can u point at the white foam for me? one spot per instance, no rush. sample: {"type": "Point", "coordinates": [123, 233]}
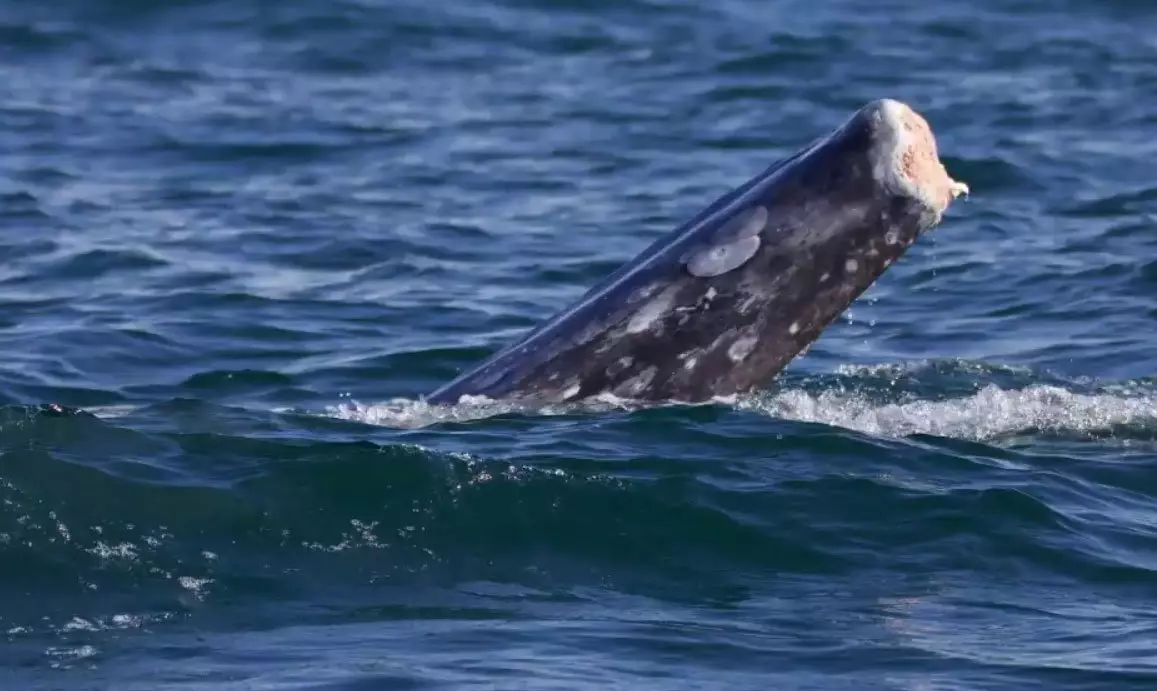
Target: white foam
{"type": "Point", "coordinates": [410, 414]}
{"type": "Point", "coordinates": [990, 413]}
{"type": "Point", "coordinates": [112, 411]}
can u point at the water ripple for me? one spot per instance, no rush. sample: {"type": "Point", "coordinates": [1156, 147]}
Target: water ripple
{"type": "Point", "coordinates": [243, 240]}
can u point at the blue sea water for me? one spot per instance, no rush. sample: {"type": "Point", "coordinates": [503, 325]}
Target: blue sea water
{"type": "Point", "coordinates": [248, 236]}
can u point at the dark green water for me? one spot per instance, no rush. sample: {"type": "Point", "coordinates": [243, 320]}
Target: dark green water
{"type": "Point", "coordinates": [247, 237]}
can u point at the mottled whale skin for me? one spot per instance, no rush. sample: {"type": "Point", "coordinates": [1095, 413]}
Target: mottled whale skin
{"type": "Point", "coordinates": [724, 302]}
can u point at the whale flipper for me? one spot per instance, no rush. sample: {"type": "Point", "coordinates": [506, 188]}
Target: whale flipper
{"type": "Point", "coordinates": [726, 300]}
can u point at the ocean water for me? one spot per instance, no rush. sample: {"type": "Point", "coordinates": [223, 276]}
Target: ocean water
{"type": "Point", "coordinates": [244, 238]}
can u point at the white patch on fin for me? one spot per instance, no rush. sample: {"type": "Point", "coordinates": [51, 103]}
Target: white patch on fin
{"type": "Point", "coordinates": [741, 348]}
{"type": "Point", "coordinates": [719, 259]}
{"type": "Point", "coordinates": [636, 385]}
{"type": "Point", "coordinates": [732, 246]}
{"type": "Point", "coordinates": [653, 312]}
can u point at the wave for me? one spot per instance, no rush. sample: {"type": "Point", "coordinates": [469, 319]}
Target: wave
{"type": "Point", "coordinates": [139, 519]}
{"type": "Point", "coordinates": [952, 399]}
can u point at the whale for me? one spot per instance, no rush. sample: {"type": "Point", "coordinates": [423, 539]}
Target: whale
{"type": "Point", "coordinates": [724, 302]}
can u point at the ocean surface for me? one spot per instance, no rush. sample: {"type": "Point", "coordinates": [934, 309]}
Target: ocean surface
{"type": "Point", "coordinates": [241, 240]}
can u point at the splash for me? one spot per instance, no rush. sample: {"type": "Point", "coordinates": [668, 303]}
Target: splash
{"type": "Point", "coordinates": [985, 403]}
{"type": "Point", "coordinates": [991, 413]}
{"type": "Point", "coordinates": [409, 413]}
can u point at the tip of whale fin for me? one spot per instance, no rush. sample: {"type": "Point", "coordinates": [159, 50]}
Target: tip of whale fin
{"type": "Point", "coordinates": [905, 157]}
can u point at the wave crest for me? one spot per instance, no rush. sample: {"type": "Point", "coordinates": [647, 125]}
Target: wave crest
{"type": "Point", "coordinates": [952, 399]}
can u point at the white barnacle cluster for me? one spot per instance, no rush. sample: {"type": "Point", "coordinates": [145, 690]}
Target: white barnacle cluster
{"type": "Point", "coordinates": [904, 156]}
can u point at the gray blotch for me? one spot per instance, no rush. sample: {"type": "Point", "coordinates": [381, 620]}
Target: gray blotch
{"type": "Point", "coordinates": [589, 333]}
{"type": "Point", "coordinates": [653, 311]}
{"type": "Point", "coordinates": [644, 293]}
{"type": "Point", "coordinates": [749, 303]}
{"type": "Point", "coordinates": [636, 384]}
{"type": "Point", "coordinates": [732, 245]}
{"type": "Point", "coordinates": [719, 259]}
{"type": "Point", "coordinates": [620, 365]}
{"type": "Point", "coordinates": [741, 348]}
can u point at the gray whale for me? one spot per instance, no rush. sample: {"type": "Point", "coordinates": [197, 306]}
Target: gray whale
{"type": "Point", "coordinates": [724, 302]}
